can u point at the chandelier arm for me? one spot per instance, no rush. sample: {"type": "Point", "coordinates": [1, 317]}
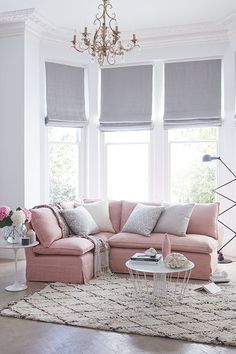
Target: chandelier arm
{"type": "Point", "coordinates": [129, 46]}
{"type": "Point", "coordinates": [101, 16]}
{"type": "Point", "coordinates": [101, 59]}
{"type": "Point", "coordinates": [110, 59]}
{"type": "Point", "coordinates": [112, 20]}
{"type": "Point", "coordinates": [106, 6]}
{"type": "Point", "coordinates": [80, 50]}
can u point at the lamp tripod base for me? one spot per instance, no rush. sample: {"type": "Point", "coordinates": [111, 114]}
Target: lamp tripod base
{"type": "Point", "coordinates": [222, 260]}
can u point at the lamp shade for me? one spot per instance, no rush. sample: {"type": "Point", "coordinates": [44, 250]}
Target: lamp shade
{"type": "Point", "coordinates": [207, 158]}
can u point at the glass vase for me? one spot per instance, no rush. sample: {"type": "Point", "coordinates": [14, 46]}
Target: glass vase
{"type": "Point", "coordinates": [15, 233]}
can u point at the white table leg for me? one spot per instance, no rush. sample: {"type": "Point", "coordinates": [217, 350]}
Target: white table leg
{"type": "Point", "coordinates": [16, 286]}
{"type": "Point", "coordinates": [159, 285]}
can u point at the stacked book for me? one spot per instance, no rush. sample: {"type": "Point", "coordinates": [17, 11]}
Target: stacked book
{"type": "Point", "coordinates": [145, 257]}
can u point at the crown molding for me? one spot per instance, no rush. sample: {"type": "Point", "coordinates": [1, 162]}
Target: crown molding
{"type": "Point", "coordinates": [13, 22]}
{"type": "Point", "coordinates": [159, 37]}
{"type": "Point", "coordinates": [188, 34]}
{"type": "Point", "coordinates": [16, 16]}
{"type": "Point", "coordinates": [229, 22]}
{"type": "Point", "coordinates": [9, 29]}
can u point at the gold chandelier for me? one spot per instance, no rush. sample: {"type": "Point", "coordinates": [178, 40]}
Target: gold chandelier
{"type": "Point", "coordinates": [105, 44]}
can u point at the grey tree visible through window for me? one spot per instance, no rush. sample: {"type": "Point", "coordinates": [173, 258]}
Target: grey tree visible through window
{"type": "Point", "coordinates": [63, 163]}
{"type": "Point", "coordinates": [191, 180]}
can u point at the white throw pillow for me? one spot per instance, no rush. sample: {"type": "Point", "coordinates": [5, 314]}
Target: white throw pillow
{"type": "Point", "coordinates": [80, 221]}
{"type": "Point", "coordinates": [100, 212]}
{"type": "Point", "coordinates": [143, 219]}
{"type": "Point", "coordinates": [174, 220]}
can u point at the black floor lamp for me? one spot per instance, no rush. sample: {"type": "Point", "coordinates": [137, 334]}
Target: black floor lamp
{"type": "Point", "coordinates": [207, 158]}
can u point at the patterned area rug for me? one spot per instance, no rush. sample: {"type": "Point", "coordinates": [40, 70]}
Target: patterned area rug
{"type": "Point", "coordinates": [109, 303]}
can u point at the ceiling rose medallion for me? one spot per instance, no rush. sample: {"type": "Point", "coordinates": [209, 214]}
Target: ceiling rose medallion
{"type": "Point", "coordinates": [105, 44]}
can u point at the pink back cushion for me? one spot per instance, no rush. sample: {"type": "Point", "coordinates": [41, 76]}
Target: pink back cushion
{"type": "Point", "coordinates": [128, 207]}
{"type": "Point", "coordinates": [45, 226]}
{"type": "Point", "coordinates": [203, 220]}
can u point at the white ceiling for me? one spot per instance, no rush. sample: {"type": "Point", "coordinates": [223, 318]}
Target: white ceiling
{"type": "Point", "coordinates": [131, 14]}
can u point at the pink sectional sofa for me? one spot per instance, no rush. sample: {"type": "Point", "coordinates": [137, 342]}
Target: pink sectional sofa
{"type": "Point", "coordinates": [70, 259]}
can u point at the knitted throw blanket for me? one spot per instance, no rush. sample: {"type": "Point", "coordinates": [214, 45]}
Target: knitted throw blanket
{"type": "Point", "coordinates": [101, 255]}
{"type": "Point", "coordinates": [101, 246]}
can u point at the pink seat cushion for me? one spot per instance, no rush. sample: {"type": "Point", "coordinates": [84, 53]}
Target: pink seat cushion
{"type": "Point", "coordinates": [128, 207]}
{"type": "Point", "coordinates": [190, 243]}
{"type": "Point", "coordinates": [74, 246]}
{"type": "Point", "coordinates": [45, 226]}
{"type": "Point", "coordinates": [104, 235]}
{"type": "Point", "coordinates": [203, 220]}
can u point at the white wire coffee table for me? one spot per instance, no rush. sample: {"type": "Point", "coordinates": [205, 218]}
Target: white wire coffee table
{"type": "Point", "coordinates": [167, 283]}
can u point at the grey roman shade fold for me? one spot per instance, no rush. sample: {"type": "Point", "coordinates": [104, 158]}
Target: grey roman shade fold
{"type": "Point", "coordinates": [126, 98]}
{"type": "Point", "coordinates": [65, 96]}
{"type": "Point", "coordinates": [193, 94]}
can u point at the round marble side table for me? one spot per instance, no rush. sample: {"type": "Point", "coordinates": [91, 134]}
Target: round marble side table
{"type": "Point", "coordinates": [16, 286]}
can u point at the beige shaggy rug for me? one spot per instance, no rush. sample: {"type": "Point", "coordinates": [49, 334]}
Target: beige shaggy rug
{"type": "Point", "coordinates": [108, 303]}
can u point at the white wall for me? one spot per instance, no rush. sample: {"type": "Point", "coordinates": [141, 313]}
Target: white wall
{"type": "Point", "coordinates": [32, 120]}
{"type": "Point", "coordinates": [12, 120]}
{"type": "Point", "coordinates": [19, 118]}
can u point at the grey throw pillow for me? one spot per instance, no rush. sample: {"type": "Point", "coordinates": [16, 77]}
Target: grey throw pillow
{"type": "Point", "coordinates": [174, 220]}
{"type": "Point", "coordinates": [80, 221]}
{"type": "Point", "coordinates": [143, 219]}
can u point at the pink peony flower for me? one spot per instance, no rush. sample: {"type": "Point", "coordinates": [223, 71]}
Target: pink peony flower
{"type": "Point", "coordinates": [4, 212]}
{"type": "Point", "coordinates": [27, 213]}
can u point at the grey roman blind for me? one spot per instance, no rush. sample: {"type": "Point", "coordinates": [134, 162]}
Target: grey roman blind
{"type": "Point", "coordinates": [193, 94]}
{"type": "Point", "coordinates": [126, 98]}
{"type": "Point", "coordinates": [65, 96]}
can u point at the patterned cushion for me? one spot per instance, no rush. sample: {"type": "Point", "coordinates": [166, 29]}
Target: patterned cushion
{"type": "Point", "coordinates": [143, 219]}
{"type": "Point", "coordinates": [80, 221]}
{"type": "Point", "coordinates": [174, 220]}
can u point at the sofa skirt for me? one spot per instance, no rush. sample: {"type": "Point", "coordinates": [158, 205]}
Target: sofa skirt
{"type": "Point", "coordinates": [58, 268]}
{"type": "Point", "coordinates": [205, 264]}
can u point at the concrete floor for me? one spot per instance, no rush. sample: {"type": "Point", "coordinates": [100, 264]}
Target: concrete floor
{"type": "Point", "coordinates": [31, 337]}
